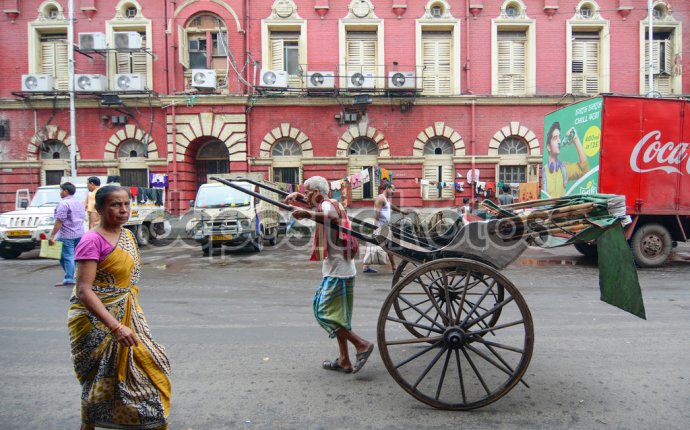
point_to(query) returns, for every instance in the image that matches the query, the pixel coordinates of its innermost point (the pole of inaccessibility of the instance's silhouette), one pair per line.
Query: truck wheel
(273, 236)
(143, 235)
(258, 243)
(206, 249)
(9, 254)
(587, 249)
(651, 245)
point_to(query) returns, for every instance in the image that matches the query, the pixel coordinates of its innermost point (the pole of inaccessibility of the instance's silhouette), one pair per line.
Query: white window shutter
(668, 57)
(437, 63)
(61, 66)
(356, 192)
(277, 62)
(48, 58)
(361, 52)
(182, 47)
(447, 176)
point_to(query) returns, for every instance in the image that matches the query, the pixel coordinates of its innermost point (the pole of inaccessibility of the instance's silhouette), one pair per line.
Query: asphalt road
(246, 352)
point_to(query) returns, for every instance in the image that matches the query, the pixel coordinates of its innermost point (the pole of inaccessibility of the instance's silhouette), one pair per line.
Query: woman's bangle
(119, 326)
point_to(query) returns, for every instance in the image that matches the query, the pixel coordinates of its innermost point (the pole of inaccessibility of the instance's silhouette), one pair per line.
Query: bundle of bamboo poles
(548, 216)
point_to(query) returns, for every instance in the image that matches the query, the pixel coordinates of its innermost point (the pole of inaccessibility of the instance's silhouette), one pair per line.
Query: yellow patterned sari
(122, 387)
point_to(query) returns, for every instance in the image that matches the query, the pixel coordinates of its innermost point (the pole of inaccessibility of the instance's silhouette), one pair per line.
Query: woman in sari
(123, 373)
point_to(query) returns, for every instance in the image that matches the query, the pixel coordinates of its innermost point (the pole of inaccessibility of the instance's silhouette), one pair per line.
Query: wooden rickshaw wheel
(406, 311)
(468, 360)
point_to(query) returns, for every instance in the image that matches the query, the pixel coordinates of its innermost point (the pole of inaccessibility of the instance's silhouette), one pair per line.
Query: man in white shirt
(332, 302)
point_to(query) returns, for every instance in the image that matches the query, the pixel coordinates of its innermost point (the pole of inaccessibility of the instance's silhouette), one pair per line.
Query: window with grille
(512, 175)
(53, 177)
(512, 62)
(585, 63)
(134, 178)
(438, 146)
(131, 149)
(363, 146)
(286, 148)
(287, 175)
(54, 150)
(436, 54)
(512, 146)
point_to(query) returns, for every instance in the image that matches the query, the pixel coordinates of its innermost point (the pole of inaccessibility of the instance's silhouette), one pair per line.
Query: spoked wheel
(414, 304)
(403, 269)
(468, 359)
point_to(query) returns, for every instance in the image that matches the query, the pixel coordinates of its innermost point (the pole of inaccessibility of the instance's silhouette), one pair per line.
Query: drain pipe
(468, 48)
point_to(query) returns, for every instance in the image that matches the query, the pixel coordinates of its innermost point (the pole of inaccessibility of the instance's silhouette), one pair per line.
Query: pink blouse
(93, 246)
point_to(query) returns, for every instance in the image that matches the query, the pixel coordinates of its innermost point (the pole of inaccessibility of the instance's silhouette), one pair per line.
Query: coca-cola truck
(633, 146)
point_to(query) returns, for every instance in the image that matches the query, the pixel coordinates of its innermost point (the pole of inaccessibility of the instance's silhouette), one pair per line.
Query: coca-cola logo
(651, 154)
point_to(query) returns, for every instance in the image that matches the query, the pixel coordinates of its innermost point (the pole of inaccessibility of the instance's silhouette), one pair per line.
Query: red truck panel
(645, 154)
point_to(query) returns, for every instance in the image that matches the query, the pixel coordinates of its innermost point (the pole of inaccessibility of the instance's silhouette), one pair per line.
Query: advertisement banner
(572, 142)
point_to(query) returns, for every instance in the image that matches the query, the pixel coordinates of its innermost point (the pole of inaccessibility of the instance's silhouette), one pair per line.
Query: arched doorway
(212, 158)
(51, 151)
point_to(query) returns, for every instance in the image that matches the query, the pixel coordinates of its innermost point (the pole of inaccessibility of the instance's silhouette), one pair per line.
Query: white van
(224, 216)
(23, 229)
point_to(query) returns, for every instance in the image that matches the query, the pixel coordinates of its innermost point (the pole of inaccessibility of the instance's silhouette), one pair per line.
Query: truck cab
(224, 216)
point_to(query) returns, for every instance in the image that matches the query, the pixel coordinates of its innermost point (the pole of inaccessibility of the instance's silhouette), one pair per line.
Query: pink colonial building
(423, 90)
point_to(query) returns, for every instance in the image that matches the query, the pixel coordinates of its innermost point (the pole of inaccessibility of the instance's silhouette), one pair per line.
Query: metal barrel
(287, 207)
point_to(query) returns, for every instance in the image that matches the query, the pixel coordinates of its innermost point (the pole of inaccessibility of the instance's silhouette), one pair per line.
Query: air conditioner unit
(92, 41)
(401, 81)
(90, 83)
(274, 79)
(129, 82)
(38, 83)
(126, 40)
(360, 81)
(320, 80)
(203, 78)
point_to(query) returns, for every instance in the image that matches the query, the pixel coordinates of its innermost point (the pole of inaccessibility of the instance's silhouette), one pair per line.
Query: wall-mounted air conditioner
(274, 79)
(320, 80)
(360, 81)
(203, 78)
(92, 41)
(129, 82)
(126, 40)
(90, 83)
(36, 82)
(401, 81)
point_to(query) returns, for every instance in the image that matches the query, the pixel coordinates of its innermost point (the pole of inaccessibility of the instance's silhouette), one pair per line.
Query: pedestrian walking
(68, 229)
(124, 374)
(383, 207)
(507, 197)
(332, 302)
(93, 184)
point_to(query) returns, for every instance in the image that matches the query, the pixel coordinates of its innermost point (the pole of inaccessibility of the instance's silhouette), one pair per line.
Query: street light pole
(70, 87)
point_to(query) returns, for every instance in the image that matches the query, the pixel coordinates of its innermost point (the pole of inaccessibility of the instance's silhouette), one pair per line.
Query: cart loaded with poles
(454, 332)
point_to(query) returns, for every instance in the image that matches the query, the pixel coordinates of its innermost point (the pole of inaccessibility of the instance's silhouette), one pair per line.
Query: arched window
(131, 149)
(438, 146)
(363, 146)
(213, 151)
(512, 146)
(54, 150)
(201, 30)
(286, 147)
